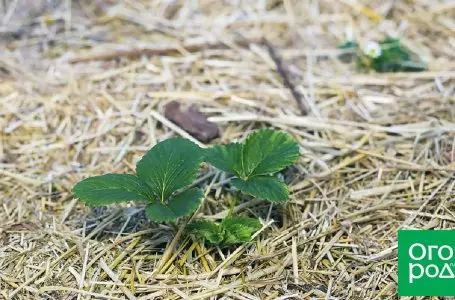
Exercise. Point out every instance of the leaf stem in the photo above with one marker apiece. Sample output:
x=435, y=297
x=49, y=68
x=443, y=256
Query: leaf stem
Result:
x=234, y=202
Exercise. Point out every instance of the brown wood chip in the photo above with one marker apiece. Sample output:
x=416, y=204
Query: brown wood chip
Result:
x=192, y=121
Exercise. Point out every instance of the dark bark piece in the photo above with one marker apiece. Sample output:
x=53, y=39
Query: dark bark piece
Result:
x=192, y=121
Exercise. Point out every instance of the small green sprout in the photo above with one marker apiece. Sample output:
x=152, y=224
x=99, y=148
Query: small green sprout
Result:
x=388, y=55
x=162, y=175
x=230, y=231
x=396, y=58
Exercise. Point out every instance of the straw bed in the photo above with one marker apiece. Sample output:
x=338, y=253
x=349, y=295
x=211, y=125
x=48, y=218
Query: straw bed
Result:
x=83, y=87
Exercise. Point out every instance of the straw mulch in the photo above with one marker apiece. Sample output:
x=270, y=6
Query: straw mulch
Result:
x=82, y=90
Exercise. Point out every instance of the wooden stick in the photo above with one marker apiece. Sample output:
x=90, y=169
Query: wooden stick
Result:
x=284, y=75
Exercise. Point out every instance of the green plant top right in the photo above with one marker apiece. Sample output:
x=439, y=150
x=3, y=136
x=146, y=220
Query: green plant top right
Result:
x=388, y=55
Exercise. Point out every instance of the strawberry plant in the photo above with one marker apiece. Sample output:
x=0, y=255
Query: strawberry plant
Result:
x=253, y=164
x=162, y=176
x=388, y=55
x=165, y=172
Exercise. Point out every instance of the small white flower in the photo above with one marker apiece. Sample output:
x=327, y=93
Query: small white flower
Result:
x=372, y=49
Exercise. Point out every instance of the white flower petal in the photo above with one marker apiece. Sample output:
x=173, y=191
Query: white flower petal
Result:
x=372, y=49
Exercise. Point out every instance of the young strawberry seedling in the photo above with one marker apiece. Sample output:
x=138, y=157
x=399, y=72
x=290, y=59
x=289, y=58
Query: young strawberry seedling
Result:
x=166, y=171
x=253, y=162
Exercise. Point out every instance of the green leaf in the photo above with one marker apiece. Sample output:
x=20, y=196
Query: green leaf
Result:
x=208, y=230
x=169, y=166
x=268, y=151
x=226, y=157
x=264, y=151
x=186, y=203
x=263, y=187
x=159, y=212
x=239, y=229
x=181, y=205
x=232, y=230
x=112, y=188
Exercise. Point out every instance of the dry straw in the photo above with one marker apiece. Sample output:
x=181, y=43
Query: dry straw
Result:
x=82, y=91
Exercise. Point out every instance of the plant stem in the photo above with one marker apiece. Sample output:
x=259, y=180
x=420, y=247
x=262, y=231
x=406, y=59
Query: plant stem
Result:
x=236, y=197
x=170, y=249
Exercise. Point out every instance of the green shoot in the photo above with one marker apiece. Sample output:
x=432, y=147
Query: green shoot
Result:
x=230, y=231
